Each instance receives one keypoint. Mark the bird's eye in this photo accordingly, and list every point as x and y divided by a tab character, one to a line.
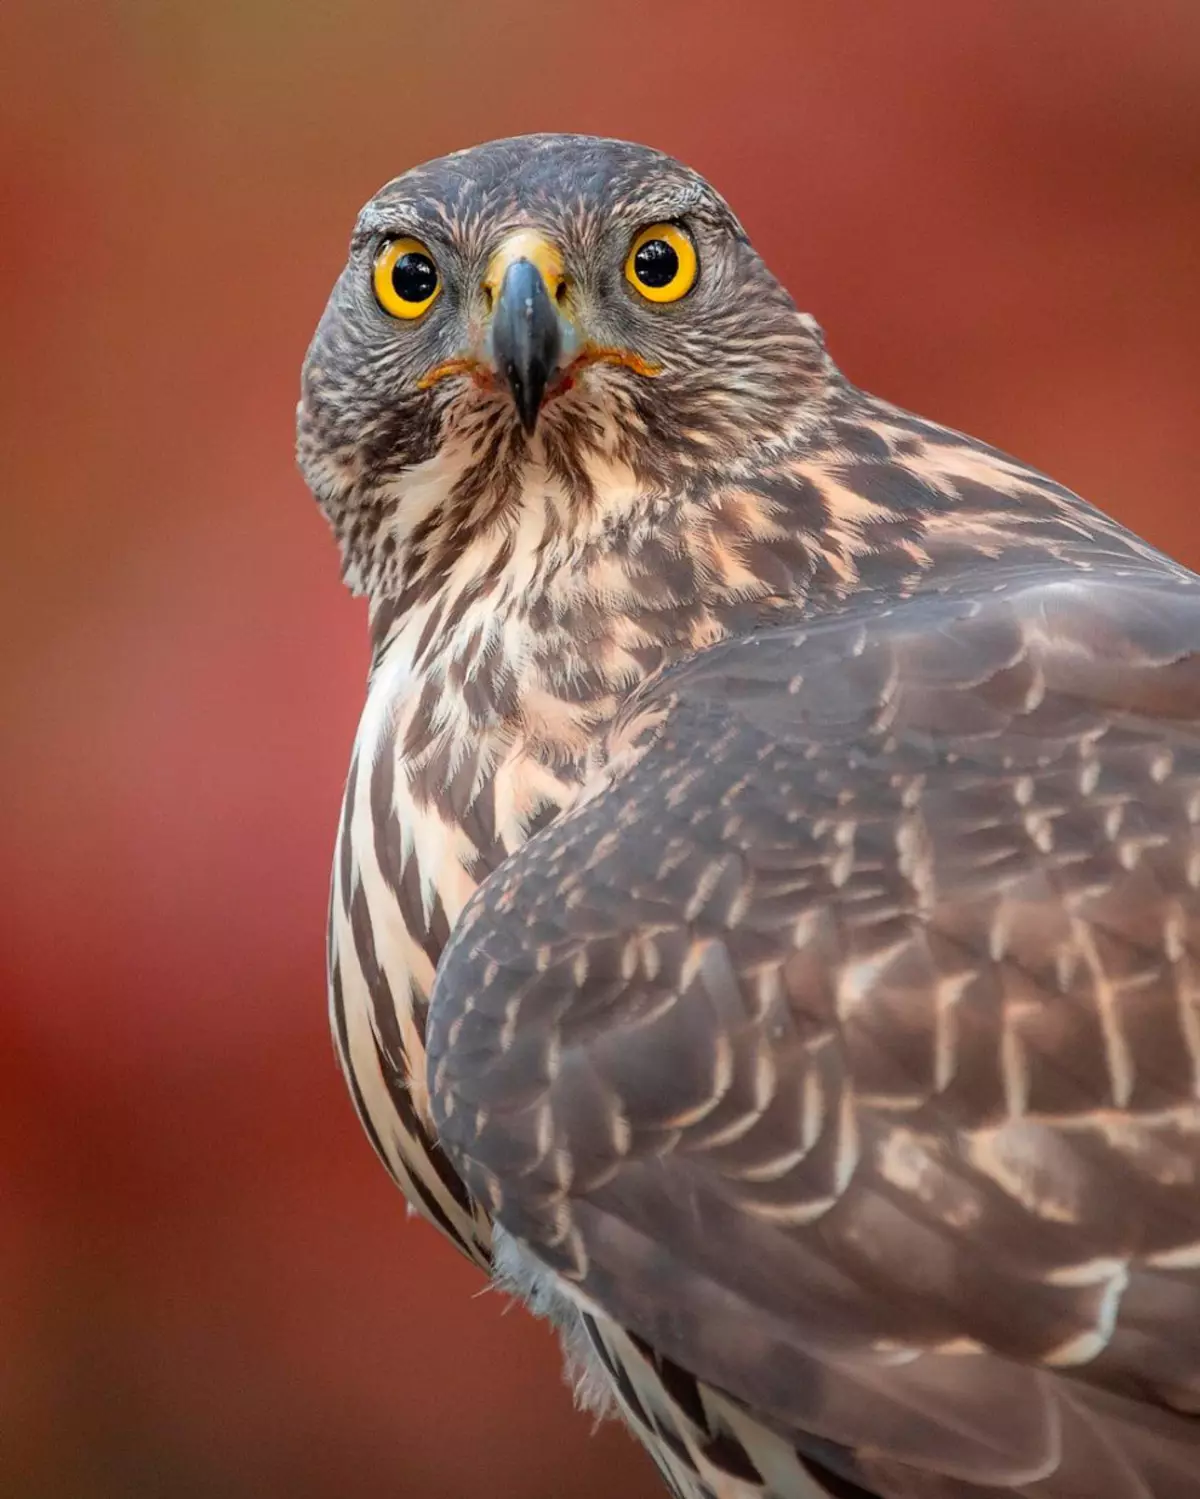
662	263
406	279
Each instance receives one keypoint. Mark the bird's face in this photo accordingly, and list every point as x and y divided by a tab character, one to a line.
559	300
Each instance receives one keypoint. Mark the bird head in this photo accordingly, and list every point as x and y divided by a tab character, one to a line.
555	306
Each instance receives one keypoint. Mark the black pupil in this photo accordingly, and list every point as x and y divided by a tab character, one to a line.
414	277
656	263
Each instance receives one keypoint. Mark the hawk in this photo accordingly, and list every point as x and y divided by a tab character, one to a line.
765	926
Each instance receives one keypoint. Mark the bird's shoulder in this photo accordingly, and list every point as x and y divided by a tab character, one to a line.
842	1041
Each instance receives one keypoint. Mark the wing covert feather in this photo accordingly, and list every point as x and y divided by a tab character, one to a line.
843	1043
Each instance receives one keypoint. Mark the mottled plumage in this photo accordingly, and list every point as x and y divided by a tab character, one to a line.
778	815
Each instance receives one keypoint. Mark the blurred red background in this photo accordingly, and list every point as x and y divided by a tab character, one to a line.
207	1284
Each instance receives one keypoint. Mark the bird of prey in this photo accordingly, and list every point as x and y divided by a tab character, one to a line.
765	925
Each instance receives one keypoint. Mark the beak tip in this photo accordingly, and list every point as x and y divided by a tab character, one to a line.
526	396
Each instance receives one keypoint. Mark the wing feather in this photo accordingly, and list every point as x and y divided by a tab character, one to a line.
843	1044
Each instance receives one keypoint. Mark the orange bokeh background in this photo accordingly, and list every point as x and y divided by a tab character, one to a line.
207	1285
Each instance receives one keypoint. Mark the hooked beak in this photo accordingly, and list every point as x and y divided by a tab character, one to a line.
529	340
526	338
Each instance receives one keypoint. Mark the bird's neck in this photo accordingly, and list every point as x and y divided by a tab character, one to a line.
550	599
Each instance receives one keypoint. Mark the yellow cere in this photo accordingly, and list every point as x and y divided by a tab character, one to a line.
662	263
406	278
526	244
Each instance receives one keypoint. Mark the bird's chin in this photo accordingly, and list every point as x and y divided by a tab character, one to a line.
567	394
585	380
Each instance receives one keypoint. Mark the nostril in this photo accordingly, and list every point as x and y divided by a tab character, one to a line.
560	293
489	296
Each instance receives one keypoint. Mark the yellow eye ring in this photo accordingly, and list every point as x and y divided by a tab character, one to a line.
662	263
406	278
